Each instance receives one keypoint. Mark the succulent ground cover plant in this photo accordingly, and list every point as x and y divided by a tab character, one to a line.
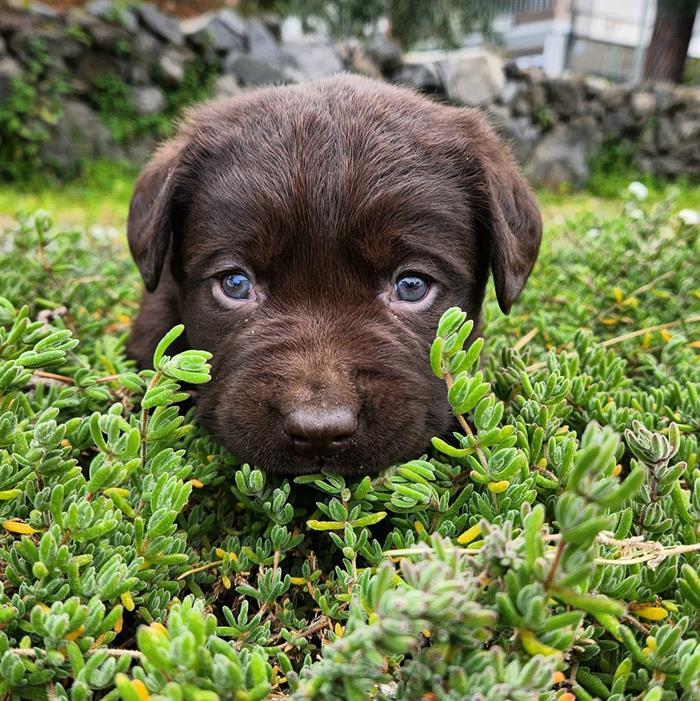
548	550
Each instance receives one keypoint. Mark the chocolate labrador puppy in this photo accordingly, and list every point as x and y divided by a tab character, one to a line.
310	237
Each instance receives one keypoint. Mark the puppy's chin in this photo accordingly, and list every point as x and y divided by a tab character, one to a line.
352	461
287	463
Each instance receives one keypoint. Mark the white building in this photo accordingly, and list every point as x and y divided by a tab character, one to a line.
602	37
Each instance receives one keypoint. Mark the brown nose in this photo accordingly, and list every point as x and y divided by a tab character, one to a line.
316	432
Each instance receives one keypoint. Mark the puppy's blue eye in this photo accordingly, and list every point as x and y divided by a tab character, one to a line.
237	286
411	288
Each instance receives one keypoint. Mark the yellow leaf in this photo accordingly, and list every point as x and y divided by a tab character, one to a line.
9	494
226	581
299	581
665	335
220	552
140	689
426	633
558	677
610	321
119	491
651	643
160	629
498	487
618	294
15	526
617	470
127	601
695	344
339	630
420	528
469	535
75	634
646	340
196	483
119	624
534	647
652	613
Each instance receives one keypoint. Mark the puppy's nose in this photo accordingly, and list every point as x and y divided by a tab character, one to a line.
316	432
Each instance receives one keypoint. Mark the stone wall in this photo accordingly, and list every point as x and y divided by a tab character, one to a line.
556	125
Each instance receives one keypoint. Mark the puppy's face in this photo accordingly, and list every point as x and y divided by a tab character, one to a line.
310	238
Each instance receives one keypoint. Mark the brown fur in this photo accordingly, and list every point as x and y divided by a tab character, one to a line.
323	191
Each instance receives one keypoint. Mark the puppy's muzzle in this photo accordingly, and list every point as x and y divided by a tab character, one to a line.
317	432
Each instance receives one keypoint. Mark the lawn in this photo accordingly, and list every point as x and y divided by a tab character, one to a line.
549	549
101	197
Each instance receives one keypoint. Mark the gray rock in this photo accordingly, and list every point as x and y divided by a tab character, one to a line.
291	30
95	64
666	134
512	71
145	51
145	48
642	104
115	12
79	135
3	47
39	9
60	48
263	46
523	98
104	35
564	96
668	97
251	71
385	53
212	35
360	63
226	86
523	137
11	19
497	116
614	97
563	154
314	57
164	26
688	128
233	22
471	76
620	123
9	69
172	64
421	76
593	86
147	99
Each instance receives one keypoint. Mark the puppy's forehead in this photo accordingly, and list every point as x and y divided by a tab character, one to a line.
313	176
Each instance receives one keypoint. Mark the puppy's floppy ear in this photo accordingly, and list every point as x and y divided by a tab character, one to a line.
507	209
149	226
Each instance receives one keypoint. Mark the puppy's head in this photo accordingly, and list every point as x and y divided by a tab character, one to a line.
310	238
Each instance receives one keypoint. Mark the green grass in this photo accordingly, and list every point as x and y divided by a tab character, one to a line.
100	197
557	532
